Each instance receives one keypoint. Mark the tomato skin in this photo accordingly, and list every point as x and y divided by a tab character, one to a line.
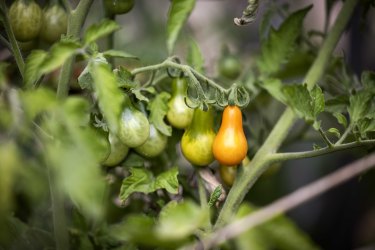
134	127
55	23
196	142
118	7
179	115
154	145
228	174
230	145
118	151
25	18
230	67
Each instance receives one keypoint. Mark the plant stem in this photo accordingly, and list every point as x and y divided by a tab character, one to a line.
343	137
277	157
5	42
12	40
67	5
76	20
325	138
288	202
262	159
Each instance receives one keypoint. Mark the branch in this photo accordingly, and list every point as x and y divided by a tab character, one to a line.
325	138
343	137
308	154
288	202
260	161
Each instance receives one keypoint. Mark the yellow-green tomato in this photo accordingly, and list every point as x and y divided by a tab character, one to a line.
134	127
154	145
118	151
228	174
196	142
55	23
25	18
179	114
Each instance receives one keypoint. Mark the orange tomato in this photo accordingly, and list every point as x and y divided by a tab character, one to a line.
230	145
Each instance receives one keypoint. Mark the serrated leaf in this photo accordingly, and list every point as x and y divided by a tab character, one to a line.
335	132
142	180
158	108
307	104
366	125
195	57
99	30
278	46
124	78
274	88
58	54
360	103
341	119
215	195
180	220
32	67
338	104
85	79
109	95
118	53
179	12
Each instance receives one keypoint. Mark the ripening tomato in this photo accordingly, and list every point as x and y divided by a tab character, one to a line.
230	145
134	127
196	142
154	145
55	23
25	17
118	7
179	114
118	151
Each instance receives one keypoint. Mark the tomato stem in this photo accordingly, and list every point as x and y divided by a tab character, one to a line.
262	158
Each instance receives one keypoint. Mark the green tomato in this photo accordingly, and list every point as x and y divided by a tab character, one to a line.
198	138
179	115
55	23
118	151
118	7
25	18
228	174
230	67
154	145
134	127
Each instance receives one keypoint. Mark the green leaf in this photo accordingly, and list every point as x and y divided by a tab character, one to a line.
58	54
118	53
109	95
215	195
274	88
179	220
359	105
37	101
335	132
338	104
158	108
142	180
124	78
276	49
140	96
195	57
179	12
366	125
32	67
368	80
307	104
341	119
99	30
85	79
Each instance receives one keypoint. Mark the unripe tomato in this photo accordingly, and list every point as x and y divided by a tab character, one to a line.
196	142
27	46
230	145
134	127
25	17
230	67
117	7
118	151
228	174
154	145
55	23
179	115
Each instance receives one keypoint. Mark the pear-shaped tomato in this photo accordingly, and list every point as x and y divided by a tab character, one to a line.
196	142
154	145
228	174
134	127
25	18
230	145
55	23
179	115
118	151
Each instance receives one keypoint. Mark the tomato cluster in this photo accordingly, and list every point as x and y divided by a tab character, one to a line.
29	22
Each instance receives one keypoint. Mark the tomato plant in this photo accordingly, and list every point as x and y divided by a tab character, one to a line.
146	131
